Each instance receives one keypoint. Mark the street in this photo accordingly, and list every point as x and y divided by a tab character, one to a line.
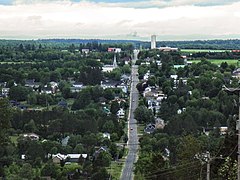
127	173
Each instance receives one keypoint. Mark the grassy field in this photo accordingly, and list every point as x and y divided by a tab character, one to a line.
22	62
218	61
202	50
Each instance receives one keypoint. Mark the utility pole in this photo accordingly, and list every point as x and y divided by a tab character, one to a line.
208	165
237	125
206	158
238	129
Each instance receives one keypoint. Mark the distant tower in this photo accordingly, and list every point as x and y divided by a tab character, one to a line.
115	60
153	41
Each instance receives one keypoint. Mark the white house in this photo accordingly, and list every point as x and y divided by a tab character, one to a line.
121	113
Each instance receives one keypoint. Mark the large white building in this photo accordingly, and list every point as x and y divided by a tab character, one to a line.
153	41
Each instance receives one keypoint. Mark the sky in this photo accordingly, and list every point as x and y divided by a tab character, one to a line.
120	19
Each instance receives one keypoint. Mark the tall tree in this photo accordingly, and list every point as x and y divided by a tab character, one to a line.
5	117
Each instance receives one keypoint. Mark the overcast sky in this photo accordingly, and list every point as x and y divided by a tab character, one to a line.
120	19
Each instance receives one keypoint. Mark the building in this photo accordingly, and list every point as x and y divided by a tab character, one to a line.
116	50
153	41
167	49
71	158
109	68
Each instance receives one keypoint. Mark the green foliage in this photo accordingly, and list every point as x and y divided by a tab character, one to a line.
19	93
143	115
228	170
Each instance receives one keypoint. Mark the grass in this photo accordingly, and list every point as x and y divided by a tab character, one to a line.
218	61
203	50
116	167
21	62
70	101
140	128
13	139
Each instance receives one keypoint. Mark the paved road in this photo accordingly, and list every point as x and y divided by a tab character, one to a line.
127	173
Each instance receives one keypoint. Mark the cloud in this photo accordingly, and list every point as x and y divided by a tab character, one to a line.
131	3
86	19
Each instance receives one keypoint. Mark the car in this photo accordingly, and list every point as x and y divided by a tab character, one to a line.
133	100
131	128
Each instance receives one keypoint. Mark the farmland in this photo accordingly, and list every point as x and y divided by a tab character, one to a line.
218	61
203	50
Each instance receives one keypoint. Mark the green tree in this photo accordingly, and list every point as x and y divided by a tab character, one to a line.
5	118
50	169
143	114
19	93
26	172
30	126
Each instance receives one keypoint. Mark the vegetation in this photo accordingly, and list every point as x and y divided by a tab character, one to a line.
52	101
195	103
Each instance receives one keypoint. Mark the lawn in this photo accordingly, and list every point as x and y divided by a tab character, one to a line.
140	129
218	61
116	167
203	50
14	139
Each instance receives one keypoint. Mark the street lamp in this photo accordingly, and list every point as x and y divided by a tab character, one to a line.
237	125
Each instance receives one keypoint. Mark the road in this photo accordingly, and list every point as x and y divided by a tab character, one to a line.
127	173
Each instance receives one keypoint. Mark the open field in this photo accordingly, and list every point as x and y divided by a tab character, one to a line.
203	50
218	61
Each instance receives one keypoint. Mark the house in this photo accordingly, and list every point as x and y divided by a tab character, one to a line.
75	89
151	92
125	77
106	135
5	91
167	49
236	73
31	83
77	84
63	104
173	76
108	68
116	50
179	66
47	90
109	84
97	152
150	128
74	157
223	130
123	87
146	76
58	158
54	86
102	100
121	113
31	136
159	123
85	51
